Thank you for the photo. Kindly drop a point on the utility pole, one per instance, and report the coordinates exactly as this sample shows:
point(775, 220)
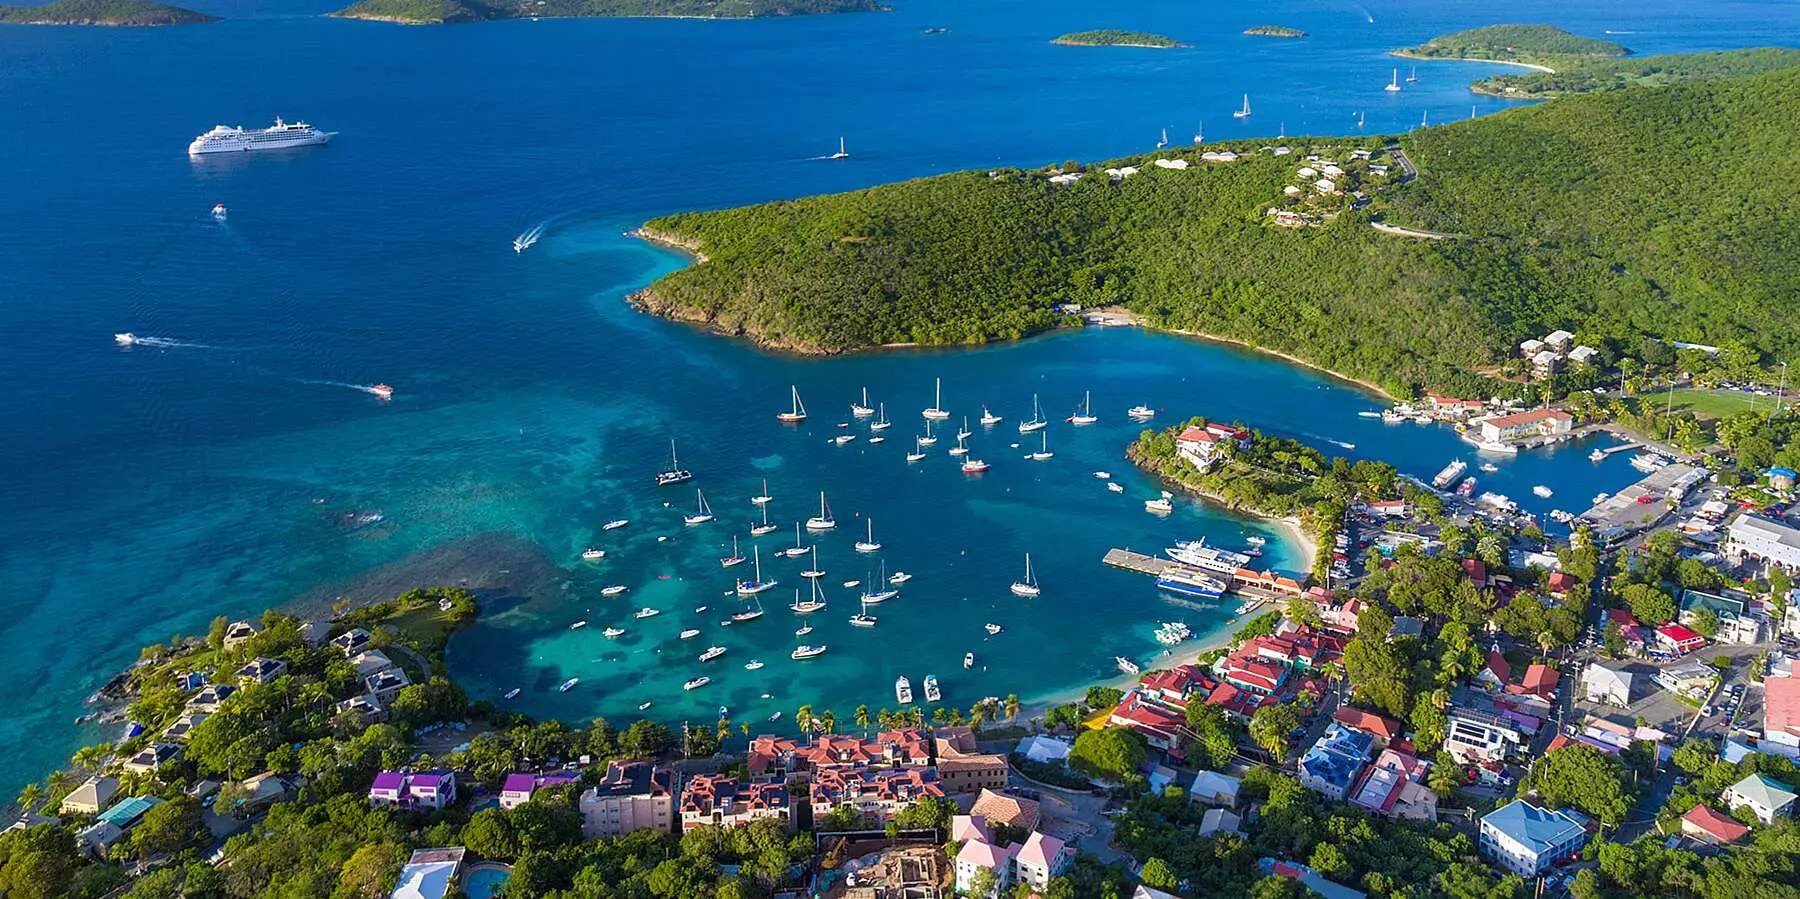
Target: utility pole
point(1779, 391)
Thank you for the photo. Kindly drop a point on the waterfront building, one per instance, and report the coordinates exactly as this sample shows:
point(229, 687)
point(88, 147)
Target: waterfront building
point(1765, 797)
point(516, 790)
point(184, 725)
point(425, 789)
point(430, 873)
point(1333, 763)
point(151, 758)
point(209, 697)
point(717, 799)
point(94, 794)
point(1710, 827)
point(261, 671)
point(371, 662)
point(351, 642)
point(1523, 425)
point(238, 633)
point(1612, 686)
point(634, 796)
point(1445, 406)
point(1755, 537)
point(961, 765)
point(1679, 640)
point(1781, 715)
point(1526, 839)
point(1387, 508)
point(876, 794)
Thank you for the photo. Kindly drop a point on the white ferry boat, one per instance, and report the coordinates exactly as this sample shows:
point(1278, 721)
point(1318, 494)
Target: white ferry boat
point(1450, 474)
point(279, 136)
point(1199, 555)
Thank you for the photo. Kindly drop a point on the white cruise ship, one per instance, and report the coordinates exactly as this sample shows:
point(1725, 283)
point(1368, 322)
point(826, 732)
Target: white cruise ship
point(1199, 555)
point(279, 136)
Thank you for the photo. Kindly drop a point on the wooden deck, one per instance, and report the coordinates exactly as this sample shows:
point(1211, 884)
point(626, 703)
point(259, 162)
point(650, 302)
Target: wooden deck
point(1155, 565)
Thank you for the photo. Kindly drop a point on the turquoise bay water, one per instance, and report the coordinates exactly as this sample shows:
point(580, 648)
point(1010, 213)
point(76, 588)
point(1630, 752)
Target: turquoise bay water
point(152, 488)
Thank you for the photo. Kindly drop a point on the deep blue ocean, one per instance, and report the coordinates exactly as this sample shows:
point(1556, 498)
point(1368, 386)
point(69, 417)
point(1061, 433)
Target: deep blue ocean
point(149, 489)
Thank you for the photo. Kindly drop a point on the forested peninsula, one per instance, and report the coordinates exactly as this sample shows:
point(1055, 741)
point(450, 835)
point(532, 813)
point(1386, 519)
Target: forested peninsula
point(1540, 46)
point(138, 13)
point(1612, 74)
point(438, 12)
point(1627, 216)
point(1113, 38)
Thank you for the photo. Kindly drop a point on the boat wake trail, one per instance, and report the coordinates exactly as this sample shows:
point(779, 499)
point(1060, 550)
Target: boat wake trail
point(1365, 11)
point(530, 236)
point(380, 390)
point(158, 342)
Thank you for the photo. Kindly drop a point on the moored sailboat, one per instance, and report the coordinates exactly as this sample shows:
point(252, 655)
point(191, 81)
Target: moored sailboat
point(702, 512)
point(1028, 586)
point(755, 584)
point(868, 544)
point(823, 521)
point(675, 474)
point(1036, 422)
point(936, 412)
point(796, 413)
point(862, 409)
point(1086, 416)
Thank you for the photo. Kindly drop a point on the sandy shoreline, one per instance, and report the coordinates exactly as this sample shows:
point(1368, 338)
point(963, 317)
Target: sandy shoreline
point(1122, 316)
point(1036, 706)
point(1499, 62)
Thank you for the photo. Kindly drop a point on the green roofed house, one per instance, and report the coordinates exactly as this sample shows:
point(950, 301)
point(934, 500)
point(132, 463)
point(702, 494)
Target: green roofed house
point(1765, 797)
point(126, 812)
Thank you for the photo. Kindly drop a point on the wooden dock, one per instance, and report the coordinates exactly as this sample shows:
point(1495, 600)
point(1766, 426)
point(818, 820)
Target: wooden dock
point(1155, 566)
point(1138, 562)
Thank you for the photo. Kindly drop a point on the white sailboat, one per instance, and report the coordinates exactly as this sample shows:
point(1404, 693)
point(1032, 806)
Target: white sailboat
point(675, 473)
point(796, 550)
point(918, 451)
point(1394, 85)
point(764, 498)
point(807, 606)
point(757, 530)
point(862, 409)
point(842, 153)
point(755, 584)
point(796, 413)
point(815, 572)
point(863, 618)
point(1360, 119)
point(1028, 586)
point(989, 419)
point(1200, 132)
point(876, 593)
point(868, 545)
point(959, 449)
point(736, 557)
point(753, 613)
point(929, 439)
point(1245, 112)
point(702, 513)
point(881, 422)
point(936, 412)
point(1037, 422)
point(822, 521)
point(1414, 76)
point(1044, 451)
point(1164, 141)
point(964, 433)
point(1086, 416)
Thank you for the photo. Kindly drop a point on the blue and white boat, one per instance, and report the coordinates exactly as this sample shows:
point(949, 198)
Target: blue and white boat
point(1190, 583)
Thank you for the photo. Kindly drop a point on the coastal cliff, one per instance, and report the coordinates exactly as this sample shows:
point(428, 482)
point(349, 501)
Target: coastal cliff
point(442, 12)
point(121, 13)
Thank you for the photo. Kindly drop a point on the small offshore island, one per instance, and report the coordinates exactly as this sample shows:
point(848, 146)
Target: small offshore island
point(1107, 37)
point(1274, 31)
point(122, 13)
point(441, 12)
point(1542, 47)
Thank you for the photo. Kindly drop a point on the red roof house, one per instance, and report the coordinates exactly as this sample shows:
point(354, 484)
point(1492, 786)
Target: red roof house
point(1708, 826)
point(1496, 672)
point(1560, 582)
point(1680, 639)
point(1540, 681)
point(1477, 571)
point(1381, 727)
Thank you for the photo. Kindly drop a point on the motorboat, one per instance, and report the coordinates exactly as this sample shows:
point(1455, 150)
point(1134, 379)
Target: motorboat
point(511, 693)
point(968, 660)
point(593, 555)
point(932, 694)
point(899, 577)
point(674, 474)
point(615, 524)
point(774, 718)
point(578, 625)
point(1116, 487)
point(989, 419)
point(796, 413)
point(1126, 665)
point(126, 339)
point(613, 632)
point(568, 685)
point(903, 690)
point(697, 683)
point(1160, 505)
point(646, 612)
point(807, 652)
point(992, 628)
point(1256, 541)
point(1488, 467)
point(1543, 491)
point(1027, 587)
point(690, 633)
point(1597, 456)
point(1141, 412)
point(643, 705)
point(863, 618)
point(868, 544)
point(851, 584)
point(218, 212)
point(613, 589)
point(1103, 475)
point(381, 391)
point(712, 652)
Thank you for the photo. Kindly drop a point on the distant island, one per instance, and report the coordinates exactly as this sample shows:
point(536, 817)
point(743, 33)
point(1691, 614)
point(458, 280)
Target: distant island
point(1112, 38)
point(1579, 212)
point(1613, 73)
point(1540, 47)
point(1274, 31)
point(441, 12)
point(132, 13)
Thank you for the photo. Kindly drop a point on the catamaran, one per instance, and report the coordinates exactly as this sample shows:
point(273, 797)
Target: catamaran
point(796, 551)
point(989, 419)
point(702, 512)
point(675, 473)
point(796, 413)
point(1086, 416)
point(1394, 85)
point(1043, 451)
point(815, 572)
point(1028, 586)
point(1245, 112)
point(903, 690)
point(842, 153)
point(736, 557)
point(822, 521)
point(764, 498)
point(868, 545)
point(880, 423)
point(1037, 421)
point(755, 584)
point(936, 412)
point(757, 530)
point(862, 409)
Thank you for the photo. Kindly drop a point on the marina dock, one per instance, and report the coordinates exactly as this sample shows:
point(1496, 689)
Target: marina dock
point(1156, 565)
point(1643, 504)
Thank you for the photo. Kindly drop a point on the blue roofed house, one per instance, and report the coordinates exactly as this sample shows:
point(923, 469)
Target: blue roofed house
point(1333, 763)
point(1527, 840)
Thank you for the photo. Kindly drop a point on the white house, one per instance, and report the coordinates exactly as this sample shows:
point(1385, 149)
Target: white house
point(1609, 685)
point(1176, 164)
point(1527, 840)
point(1765, 797)
point(1520, 425)
point(1751, 536)
point(1214, 788)
point(1039, 859)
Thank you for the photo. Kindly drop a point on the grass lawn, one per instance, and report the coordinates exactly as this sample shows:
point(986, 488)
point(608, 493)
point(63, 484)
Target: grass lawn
point(1718, 404)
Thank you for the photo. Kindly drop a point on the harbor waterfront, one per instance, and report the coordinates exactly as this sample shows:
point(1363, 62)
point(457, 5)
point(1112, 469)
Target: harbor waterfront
point(234, 457)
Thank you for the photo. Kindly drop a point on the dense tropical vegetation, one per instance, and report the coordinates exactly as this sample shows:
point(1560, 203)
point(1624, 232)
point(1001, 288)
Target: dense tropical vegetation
point(1535, 44)
point(424, 12)
point(1613, 74)
point(1113, 38)
point(102, 12)
point(1274, 31)
point(1627, 216)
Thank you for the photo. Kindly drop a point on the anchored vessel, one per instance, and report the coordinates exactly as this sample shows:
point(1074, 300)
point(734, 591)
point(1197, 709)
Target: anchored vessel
point(279, 136)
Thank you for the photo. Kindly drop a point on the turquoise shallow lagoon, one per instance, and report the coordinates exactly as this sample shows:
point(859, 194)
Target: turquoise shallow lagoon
point(149, 489)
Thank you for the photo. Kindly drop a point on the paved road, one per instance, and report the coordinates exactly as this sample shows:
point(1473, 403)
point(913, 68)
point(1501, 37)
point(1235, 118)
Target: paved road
point(1408, 172)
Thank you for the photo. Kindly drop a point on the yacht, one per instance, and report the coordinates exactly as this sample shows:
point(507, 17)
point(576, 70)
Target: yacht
point(803, 630)
point(697, 683)
point(755, 584)
point(1394, 85)
point(868, 544)
point(936, 412)
point(968, 660)
point(1043, 452)
point(823, 521)
point(1598, 455)
point(992, 628)
point(763, 499)
point(862, 409)
point(712, 652)
point(1126, 665)
point(959, 449)
point(592, 555)
point(736, 557)
point(875, 593)
point(796, 413)
point(880, 423)
point(1197, 554)
point(1086, 416)
point(1648, 462)
point(613, 589)
point(1141, 412)
point(126, 339)
point(578, 625)
point(899, 577)
point(757, 530)
point(1414, 76)
point(1543, 491)
point(1190, 583)
point(1161, 504)
point(750, 614)
point(863, 618)
point(918, 451)
point(928, 439)
point(964, 433)
point(1171, 633)
point(1164, 141)
point(811, 604)
point(615, 524)
point(613, 632)
point(932, 694)
point(1256, 541)
point(807, 652)
point(989, 419)
point(218, 212)
point(647, 612)
point(1029, 586)
point(1487, 468)
point(690, 633)
point(1449, 475)
point(903, 690)
point(1115, 487)
point(643, 705)
point(702, 512)
point(815, 572)
point(568, 685)
point(1103, 475)
point(842, 152)
point(1245, 112)
point(797, 550)
point(754, 665)
point(675, 473)
point(974, 466)
point(279, 136)
point(1036, 422)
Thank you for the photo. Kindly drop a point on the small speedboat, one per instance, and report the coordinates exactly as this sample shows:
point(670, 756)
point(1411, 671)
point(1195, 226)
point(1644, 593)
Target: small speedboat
point(1141, 412)
point(753, 665)
point(643, 705)
point(877, 439)
point(712, 652)
point(696, 683)
point(1488, 467)
point(1543, 491)
point(1595, 456)
point(613, 631)
point(807, 652)
point(690, 633)
point(1256, 541)
point(842, 439)
point(899, 577)
point(1103, 475)
point(615, 524)
point(218, 212)
point(775, 717)
point(578, 625)
point(511, 693)
point(1160, 504)
point(647, 612)
point(568, 685)
point(613, 590)
point(699, 609)
point(1115, 487)
point(993, 628)
point(968, 660)
point(852, 584)
point(593, 555)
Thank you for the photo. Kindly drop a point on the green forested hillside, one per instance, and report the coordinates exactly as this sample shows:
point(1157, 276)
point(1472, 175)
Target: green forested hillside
point(427, 12)
point(1612, 74)
point(1542, 44)
point(101, 12)
point(1653, 213)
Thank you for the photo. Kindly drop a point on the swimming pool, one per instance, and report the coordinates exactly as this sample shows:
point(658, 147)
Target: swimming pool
point(485, 881)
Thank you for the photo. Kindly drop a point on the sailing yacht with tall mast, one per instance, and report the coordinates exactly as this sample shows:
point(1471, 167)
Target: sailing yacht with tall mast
point(1037, 422)
point(755, 584)
point(876, 593)
point(863, 618)
point(1043, 451)
point(964, 433)
point(797, 550)
point(862, 409)
point(918, 451)
point(1086, 416)
point(763, 498)
point(1245, 112)
point(736, 558)
point(815, 572)
point(929, 439)
point(881, 422)
point(702, 513)
point(843, 152)
point(959, 449)
point(757, 530)
point(822, 521)
point(796, 413)
point(675, 473)
point(1028, 586)
point(812, 604)
point(1200, 132)
point(868, 545)
point(1164, 140)
point(936, 412)
point(1394, 84)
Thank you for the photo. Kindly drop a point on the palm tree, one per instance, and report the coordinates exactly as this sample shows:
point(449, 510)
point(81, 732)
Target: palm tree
point(1547, 641)
point(745, 727)
point(92, 757)
point(804, 719)
point(978, 714)
point(59, 782)
point(827, 720)
point(1012, 706)
point(940, 715)
point(30, 797)
point(862, 718)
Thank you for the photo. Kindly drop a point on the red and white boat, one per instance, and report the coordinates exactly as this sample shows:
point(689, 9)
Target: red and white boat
point(974, 466)
point(381, 390)
point(797, 413)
